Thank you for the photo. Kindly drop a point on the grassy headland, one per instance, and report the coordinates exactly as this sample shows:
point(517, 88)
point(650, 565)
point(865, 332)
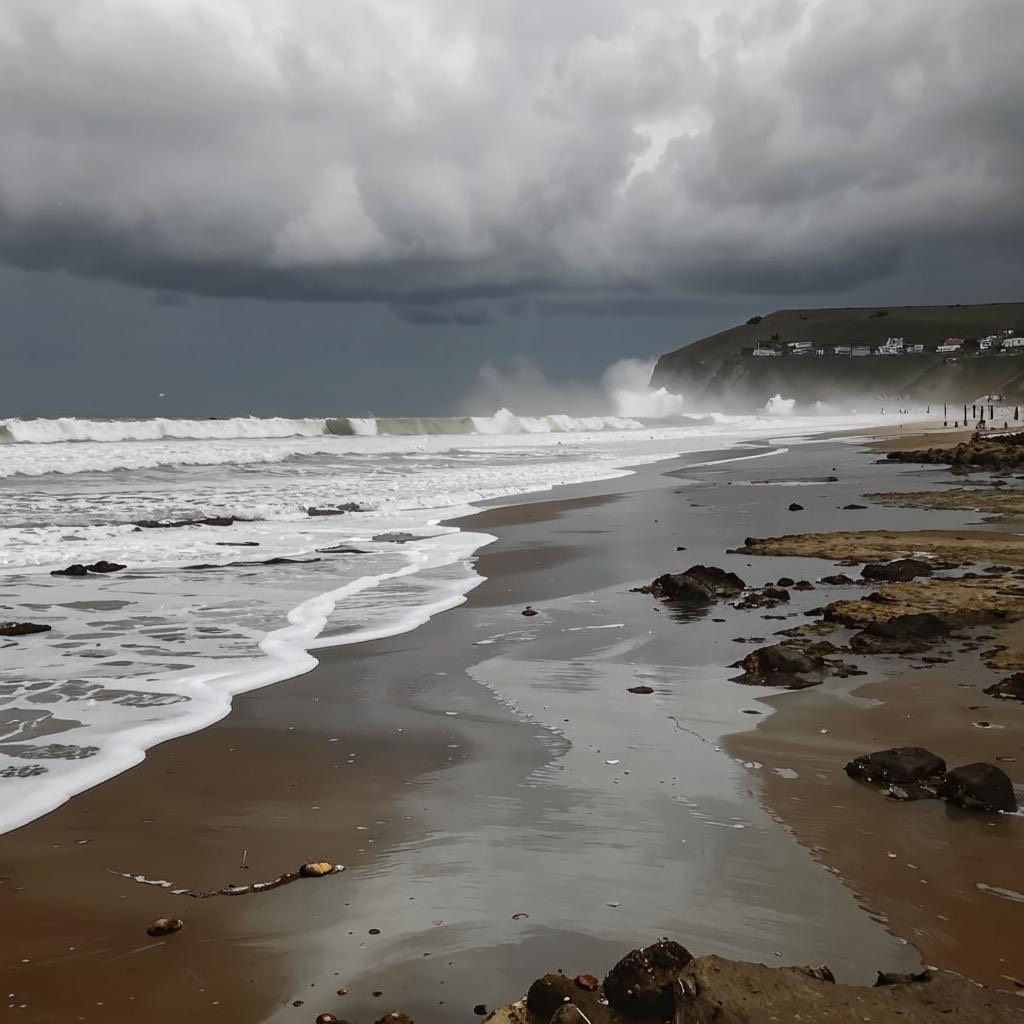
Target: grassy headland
point(720, 367)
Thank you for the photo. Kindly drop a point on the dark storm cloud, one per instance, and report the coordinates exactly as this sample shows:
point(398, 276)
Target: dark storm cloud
point(430, 151)
point(435, 316)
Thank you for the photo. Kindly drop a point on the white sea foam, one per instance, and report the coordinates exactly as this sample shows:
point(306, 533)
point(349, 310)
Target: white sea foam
point(159, 650)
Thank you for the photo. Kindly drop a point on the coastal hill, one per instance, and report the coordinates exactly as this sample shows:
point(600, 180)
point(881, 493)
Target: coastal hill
point(831, 355)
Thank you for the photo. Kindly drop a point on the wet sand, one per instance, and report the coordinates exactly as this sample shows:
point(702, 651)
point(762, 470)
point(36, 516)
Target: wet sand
point(501, 803)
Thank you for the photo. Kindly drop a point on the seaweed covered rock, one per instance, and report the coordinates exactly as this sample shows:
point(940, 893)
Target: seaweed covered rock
point(642, 981)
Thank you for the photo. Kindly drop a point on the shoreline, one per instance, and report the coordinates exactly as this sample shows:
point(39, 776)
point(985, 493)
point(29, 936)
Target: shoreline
point(551, 552)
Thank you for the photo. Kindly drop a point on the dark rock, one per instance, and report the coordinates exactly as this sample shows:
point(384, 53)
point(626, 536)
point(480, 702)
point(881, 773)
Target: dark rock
point(642, 981)
point(22, 628)
point(334, 510)
point(720, 581)
point(165, 926)
point(979, 787)
point(839, 580)
point(819, 972)
point(916, 625)
point(105, 566)
point(803, 585)
point(794, 507)
point(765, 597)
point(587, 982)
point(529, 611)
point(342, 549)
point(1010, 688)
point(892, 978)
point(327, 1018)
point(641, 689)
point(699, 585)
point(780, 665)
point(851, 508)
point(248, 565)
point(547, 994)
point(173, 524)
point(914, 768)
point(900, 570)
point(480, 1009)
point(395, 1017)
point(72, 570)
point(237, 543)
point(785, 582)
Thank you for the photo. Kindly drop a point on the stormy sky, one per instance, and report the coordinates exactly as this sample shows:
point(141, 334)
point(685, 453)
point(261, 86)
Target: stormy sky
point(334, 205)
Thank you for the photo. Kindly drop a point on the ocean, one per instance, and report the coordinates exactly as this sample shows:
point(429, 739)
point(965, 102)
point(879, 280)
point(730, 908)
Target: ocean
point(159, 648)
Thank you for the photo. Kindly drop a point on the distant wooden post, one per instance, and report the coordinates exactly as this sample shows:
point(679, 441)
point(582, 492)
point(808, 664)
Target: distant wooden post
point(991, 412)
point(974, 412)
point(965, 415)
point(1016, 412)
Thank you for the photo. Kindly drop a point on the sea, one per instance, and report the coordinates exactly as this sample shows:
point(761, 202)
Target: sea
point(322, 531)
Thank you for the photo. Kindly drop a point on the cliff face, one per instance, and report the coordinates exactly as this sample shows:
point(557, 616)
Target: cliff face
point(716, 370)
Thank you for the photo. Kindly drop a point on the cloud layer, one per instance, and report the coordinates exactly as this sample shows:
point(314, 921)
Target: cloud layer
point(417, 151)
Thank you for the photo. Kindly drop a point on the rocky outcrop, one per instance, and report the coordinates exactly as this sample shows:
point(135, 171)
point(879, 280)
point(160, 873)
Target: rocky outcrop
point(664, 983)
point(764, 597)
point(983, 451)
point(700, 585)
point(979, 787)
point(1010, 688)
point(22, 628)
point(781, 665)
point(899, 570)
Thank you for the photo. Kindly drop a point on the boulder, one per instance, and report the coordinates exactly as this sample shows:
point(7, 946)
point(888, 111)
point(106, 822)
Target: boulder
point(642, 981)
point(104, 566)
point(1010, 688)
point(794, 507)
point(900, 570)
point(913, 767)
point(641, 689)
point(22, 628)
point(699, 585)
point(529, 611)
point(979, 787)
point(587, 982)
point(839, 580)
point(72, 570)
point(395, 1017)
point(780, 665)
point(549, 993)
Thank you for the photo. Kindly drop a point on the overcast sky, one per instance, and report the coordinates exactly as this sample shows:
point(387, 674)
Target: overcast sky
point(334, 205)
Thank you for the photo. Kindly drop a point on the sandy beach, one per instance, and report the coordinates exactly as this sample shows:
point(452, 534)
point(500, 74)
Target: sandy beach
point(503, 806)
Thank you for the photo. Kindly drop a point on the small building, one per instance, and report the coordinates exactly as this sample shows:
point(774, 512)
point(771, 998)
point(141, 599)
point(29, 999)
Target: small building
point(842, 350)
point(768, 350)
point(1013, 342)
point(860, 350)
point(988, 342)
point(914, 350)
point(892, 347)
point(951, 345)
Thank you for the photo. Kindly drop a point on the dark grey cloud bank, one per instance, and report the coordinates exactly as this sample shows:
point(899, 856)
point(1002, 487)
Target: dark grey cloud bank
point(431, 153)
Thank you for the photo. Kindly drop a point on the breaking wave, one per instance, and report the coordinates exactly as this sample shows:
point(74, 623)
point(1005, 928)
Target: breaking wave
point(68, 428)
